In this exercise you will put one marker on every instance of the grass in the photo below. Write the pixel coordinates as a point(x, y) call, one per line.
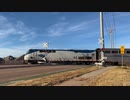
point(55, 78)
point(115, 77)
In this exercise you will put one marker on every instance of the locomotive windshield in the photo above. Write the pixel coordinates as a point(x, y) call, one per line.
point(32, 50)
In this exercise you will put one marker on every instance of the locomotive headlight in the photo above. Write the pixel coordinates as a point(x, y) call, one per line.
point(26, 57)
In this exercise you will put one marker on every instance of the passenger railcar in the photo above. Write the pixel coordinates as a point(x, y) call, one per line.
point(113, 56)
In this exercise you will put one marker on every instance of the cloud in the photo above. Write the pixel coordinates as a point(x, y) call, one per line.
point(88, 35)
point(82, 25)
point(122, 29)
point(57, 29)
point(122, 14)
point(7, 51)
point(63, 28)
point(17, 51)
point(76, 27)
point(5, 43)
point(27, 36)
point(18, 29)
point(63, 18)
point(8, 28)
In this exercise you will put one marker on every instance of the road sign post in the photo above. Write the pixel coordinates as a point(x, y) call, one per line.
point(122, 60)
point(122, 50)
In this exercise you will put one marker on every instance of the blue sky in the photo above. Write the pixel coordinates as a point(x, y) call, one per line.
point(20, 31)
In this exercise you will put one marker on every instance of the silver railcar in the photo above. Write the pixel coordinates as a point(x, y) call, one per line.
point(114, 57)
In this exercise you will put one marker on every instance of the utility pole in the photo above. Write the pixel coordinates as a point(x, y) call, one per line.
point(102, 37)
point(111, 37)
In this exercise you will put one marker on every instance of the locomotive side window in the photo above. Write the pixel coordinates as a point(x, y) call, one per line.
point(88, 57)
point(81, 57)
point(42, 51)
point(48, 51)
point(114, 51)
point(41, 55)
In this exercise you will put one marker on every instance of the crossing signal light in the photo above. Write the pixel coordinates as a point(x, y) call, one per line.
point(103, 49)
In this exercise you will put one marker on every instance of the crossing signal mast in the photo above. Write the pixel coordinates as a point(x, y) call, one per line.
point(102, 39)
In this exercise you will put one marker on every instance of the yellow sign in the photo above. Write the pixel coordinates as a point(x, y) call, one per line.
point(122, 49)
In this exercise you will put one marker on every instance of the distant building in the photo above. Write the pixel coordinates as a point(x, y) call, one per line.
point(9, 58)
point(1, 61)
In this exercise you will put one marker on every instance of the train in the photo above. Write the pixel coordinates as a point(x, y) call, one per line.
point(72, 56)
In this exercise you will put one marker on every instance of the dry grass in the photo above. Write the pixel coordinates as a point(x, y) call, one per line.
point(55, 78)
point(115, 77)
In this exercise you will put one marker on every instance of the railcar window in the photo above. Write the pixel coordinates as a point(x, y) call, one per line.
point(128, 51)
point(114, 51)
point(107, 51)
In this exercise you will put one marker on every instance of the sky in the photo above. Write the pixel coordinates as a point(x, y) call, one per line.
point(21, 31)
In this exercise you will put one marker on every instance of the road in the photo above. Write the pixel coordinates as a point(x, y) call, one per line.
point(13, 72)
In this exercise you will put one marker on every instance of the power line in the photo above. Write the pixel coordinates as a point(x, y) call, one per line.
point(111, 37)
point(106, 18)
point(114, 27)
point(110, 24)
point(105, 23)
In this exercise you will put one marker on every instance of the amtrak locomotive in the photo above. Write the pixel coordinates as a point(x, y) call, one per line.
point(60, 56)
